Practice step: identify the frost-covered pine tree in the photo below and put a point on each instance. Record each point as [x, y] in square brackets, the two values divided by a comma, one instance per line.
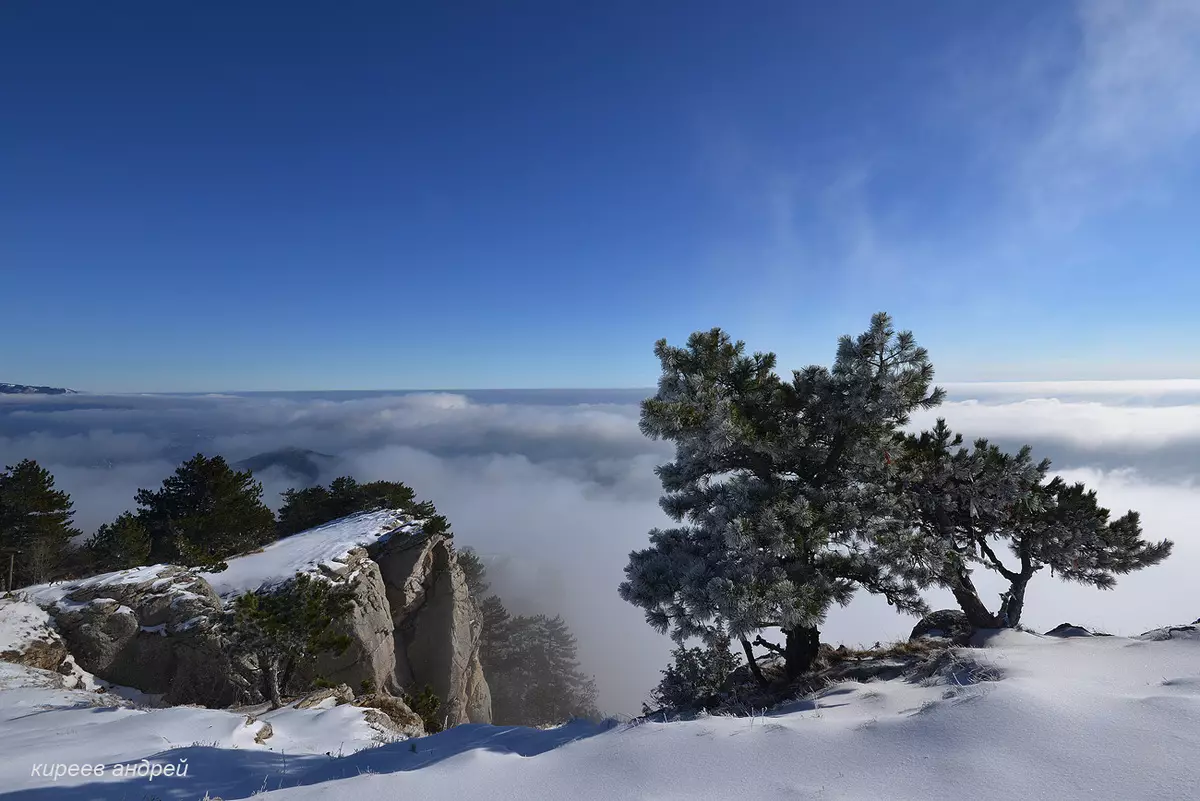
[776, 486]
[966, 507]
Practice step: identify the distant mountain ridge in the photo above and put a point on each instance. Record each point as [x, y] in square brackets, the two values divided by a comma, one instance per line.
[300, 463]
[26, 389]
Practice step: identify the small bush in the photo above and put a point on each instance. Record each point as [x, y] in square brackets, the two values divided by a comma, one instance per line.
[695, 679]
[427, 706]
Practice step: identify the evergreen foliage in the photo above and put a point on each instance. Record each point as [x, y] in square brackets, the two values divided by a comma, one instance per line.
[282, 629]
[533, 671]
[695, 678]
[205, 512]
[315, 506]
[428, 707]
[121, 544]
[532, 666]
[965, 507]
[35, 526]
[793, 494]
[776, 484]
[474, 571]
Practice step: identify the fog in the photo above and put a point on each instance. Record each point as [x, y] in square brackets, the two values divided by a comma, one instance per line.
[556, 489]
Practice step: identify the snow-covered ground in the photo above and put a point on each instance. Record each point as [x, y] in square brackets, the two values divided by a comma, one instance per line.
[1070, 718]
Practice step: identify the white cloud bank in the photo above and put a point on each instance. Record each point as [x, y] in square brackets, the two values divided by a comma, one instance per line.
[560, 492]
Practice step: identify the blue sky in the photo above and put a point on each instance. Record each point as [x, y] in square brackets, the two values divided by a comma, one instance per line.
[222, 196]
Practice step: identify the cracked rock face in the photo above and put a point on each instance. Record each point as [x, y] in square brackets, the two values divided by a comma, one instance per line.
[413, 624]
[369, 663]
[437, 625]
[155, 635]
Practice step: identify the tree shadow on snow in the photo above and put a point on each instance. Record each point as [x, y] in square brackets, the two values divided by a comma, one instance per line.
[239, 773]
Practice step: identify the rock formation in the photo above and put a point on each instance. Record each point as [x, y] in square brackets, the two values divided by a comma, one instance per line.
[413, 624]
[437, 625]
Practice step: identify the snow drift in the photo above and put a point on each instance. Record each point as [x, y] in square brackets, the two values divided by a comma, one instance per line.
[1069, 718]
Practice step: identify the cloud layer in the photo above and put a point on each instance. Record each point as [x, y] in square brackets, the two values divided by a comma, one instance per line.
[557, 489]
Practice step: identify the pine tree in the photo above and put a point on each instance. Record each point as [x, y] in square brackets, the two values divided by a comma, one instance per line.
[474, 571]
[205, 512]
[495, 654]
[543, 684]
[35, 525]
[964, 507]
[314, 506]
[282, 629]
[122, 544]
[777, 485]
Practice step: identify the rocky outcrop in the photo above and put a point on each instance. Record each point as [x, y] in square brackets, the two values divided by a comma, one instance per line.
[341, 694]
[437, 624]
[369, 663]
[949, 624]
[391, 715]
[413, 624]
[153, 629]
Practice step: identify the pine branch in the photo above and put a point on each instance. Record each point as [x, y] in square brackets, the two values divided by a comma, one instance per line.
[770, 646]
[995, 560]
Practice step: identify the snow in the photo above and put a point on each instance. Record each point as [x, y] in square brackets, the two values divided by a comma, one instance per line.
[55, 593]
[324, 548]
[1069, 719]
[21, 624]
[308, 552]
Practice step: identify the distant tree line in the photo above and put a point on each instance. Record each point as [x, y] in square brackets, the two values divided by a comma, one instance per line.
[791, 494]
[531, 661]
[202, 514]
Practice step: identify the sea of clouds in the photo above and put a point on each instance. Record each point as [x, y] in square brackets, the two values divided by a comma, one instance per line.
[557, 488]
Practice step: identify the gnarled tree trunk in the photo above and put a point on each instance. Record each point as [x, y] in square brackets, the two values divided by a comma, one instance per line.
[799, 650]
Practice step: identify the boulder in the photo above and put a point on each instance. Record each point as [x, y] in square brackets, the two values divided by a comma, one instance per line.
[391, 714]
[152, 629]
[437, 624]
[1069, 630]
[949, 624]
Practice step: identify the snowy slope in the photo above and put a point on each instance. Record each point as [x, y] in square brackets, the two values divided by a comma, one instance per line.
[21, 624]
[307, 551]
[1070, 718]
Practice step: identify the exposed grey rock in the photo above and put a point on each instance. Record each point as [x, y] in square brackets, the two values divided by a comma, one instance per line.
[340, 694]
[392, 715]
[369, 663]
[413, 624]
[437, 624]
[155, 634]
[265, 732]
[949, 624]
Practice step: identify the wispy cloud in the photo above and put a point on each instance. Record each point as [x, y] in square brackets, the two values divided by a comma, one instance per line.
[1127, 114]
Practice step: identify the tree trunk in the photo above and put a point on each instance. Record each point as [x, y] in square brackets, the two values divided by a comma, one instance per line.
[752, 663]
[270, 673]
[968, 599]
[799, 650]
[1013, 603]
